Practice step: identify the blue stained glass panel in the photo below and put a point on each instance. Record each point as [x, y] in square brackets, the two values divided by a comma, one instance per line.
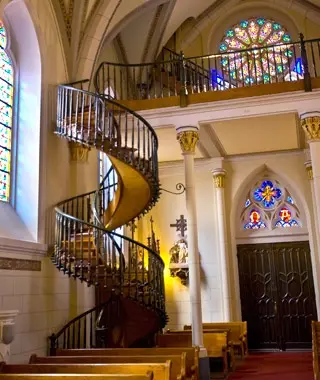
[248, 203]
[290, 200]
[267, 194]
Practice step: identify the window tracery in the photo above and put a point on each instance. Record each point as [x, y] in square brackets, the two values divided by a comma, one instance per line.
[6, 107]
[265, 52]
[269, 205]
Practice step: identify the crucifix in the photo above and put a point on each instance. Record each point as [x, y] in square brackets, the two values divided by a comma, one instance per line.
[181, 225]
[133, 228]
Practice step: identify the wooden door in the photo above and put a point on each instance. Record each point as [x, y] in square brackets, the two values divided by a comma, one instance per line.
[277, 294]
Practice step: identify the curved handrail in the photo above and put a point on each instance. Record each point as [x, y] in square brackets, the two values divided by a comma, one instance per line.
[104, 97]
[84, 248]
[80, 316]
[127, 238]
[182, 75]
[64, 332]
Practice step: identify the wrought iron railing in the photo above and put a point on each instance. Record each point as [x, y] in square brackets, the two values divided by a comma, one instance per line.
[80, 332]
[177, 75]
[95, 120]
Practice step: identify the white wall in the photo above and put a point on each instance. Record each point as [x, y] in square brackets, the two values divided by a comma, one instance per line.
[47, 299]
[290, 170]
[167, 210]
[27, 121]
[241, 172]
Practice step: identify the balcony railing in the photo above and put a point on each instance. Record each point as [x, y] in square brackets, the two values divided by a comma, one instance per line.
[177, 75]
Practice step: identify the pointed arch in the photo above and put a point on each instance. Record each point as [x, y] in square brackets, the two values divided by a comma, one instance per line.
[269, 204]
[238, 197]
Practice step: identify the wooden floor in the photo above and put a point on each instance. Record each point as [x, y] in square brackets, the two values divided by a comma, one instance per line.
[274, 366]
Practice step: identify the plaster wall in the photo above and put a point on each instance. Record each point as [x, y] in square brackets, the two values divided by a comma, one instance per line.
[45, 299]
[242, 172]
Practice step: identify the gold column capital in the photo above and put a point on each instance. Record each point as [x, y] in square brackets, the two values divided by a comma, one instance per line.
[308, 166]
[219, 176]
[310, 123]
[78, 152]
[188, 138]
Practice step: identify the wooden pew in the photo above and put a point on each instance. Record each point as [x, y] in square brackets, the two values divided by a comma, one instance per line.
[96, 364]
[54, 376]
[216, 345]
[227, 331]
[177, 369]
[192, 354]
[315, 329]
[238, 333]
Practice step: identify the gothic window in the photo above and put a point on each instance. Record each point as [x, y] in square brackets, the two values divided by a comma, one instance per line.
[269, 205]
[6, 102]
[256, 62]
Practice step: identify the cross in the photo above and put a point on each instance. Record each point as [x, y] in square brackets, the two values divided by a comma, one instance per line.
[133, 227]
[181, 225]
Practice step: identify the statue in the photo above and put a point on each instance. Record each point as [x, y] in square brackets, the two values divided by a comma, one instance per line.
[179, 252]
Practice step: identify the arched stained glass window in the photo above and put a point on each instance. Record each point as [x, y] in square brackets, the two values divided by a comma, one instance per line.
[6, 102]
[256, 62]
[269, 205]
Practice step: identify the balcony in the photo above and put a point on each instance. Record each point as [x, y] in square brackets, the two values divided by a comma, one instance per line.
[175, 80]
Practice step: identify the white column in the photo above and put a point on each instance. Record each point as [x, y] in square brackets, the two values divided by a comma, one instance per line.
[188, 138]
[310, 122]
[219, 181]
[316, 236]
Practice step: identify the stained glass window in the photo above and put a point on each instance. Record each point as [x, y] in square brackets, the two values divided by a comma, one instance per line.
[269, 205]
[255, 221]
[267, 194]
[6, 101]
[285, 219]
[256, 62]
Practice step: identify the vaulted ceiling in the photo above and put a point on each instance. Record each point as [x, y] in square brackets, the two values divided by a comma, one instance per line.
[141, 27]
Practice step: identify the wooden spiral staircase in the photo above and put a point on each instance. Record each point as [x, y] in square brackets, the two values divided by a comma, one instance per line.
[128, 273]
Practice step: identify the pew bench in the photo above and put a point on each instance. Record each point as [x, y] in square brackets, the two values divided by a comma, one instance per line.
[177, 369]
[55, 376]
[238, 333]
[216, 345]
[315, 329]
[96, 364]
[192, 355]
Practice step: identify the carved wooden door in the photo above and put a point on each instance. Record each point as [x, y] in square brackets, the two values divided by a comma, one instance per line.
[277, 294]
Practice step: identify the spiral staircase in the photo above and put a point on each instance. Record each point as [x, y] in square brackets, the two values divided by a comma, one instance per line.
[128, 273]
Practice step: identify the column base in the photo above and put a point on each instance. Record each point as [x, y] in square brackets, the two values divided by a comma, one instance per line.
[204, 367]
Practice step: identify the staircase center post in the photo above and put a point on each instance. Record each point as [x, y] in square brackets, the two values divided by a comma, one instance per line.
[188, 138]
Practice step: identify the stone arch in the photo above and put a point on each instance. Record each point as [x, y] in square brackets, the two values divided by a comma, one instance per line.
[234, 212]
[220, 15]
[102, 30]
[34, 37]
[270, 231]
